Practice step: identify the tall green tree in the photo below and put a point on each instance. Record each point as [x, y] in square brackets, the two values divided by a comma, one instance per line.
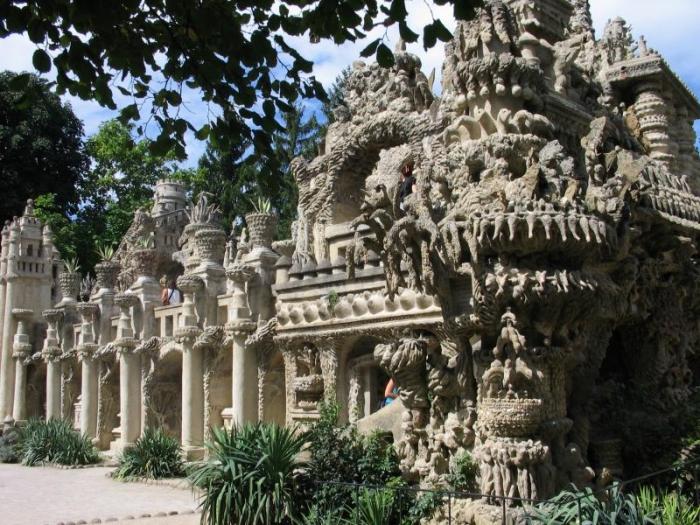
[238, 177]
[235, 51]
[121, 179]
[41, 146]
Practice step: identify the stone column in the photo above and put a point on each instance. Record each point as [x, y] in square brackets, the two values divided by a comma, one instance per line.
[7, 372]
[22, 349]
[52, 355]
[192, 370]
[129, 372]
[244, 401]
[86, 353]
[3, 273]
[653, 120]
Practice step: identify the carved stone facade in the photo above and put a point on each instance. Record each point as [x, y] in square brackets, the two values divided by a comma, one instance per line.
[536, 290]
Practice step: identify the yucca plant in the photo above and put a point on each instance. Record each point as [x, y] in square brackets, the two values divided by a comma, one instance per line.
[104, 251]
[262, 205]
[55, 441]
[155, 455]
[248, 478]
[575, 507]
[374, 507]
[71, 265]
[145, 242]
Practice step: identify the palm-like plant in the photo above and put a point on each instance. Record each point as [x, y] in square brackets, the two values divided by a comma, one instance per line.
[249, 476]
[155, 455]
[104, 251]
[145, 242]
[262, 205]
[71, 266]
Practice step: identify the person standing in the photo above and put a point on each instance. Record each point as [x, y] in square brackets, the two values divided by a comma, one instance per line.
[407, 184]
[171, 295]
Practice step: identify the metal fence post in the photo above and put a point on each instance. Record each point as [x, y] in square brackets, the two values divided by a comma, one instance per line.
[503, 511]
[357, 503]
[449, 508]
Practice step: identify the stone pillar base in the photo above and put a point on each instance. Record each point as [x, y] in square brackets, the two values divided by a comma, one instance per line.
[193, 453]
[227, 417]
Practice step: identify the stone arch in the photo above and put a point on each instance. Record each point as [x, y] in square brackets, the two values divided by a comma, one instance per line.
[364, 379]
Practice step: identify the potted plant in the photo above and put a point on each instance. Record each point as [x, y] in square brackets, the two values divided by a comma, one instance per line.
[261, 223]
[69, 278]
[107, 270]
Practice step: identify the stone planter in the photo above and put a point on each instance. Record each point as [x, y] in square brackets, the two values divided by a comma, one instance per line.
[511, 417]
[145, 261]
[69, 283]
[190, 250]
[261, 228]
[106, 274]
[210, 244]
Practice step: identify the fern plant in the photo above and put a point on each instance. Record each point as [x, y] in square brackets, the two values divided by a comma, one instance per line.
[155, 455]
[105, 252]
[71, 265]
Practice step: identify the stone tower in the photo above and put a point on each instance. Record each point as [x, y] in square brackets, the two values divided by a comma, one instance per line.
[27, 267]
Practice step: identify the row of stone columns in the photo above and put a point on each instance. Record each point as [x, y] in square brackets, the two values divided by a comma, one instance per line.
[201, 289]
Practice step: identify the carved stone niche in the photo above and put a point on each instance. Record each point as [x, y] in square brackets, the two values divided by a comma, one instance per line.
[308, 384]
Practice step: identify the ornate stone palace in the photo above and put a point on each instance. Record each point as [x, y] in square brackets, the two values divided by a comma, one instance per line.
[543, 273]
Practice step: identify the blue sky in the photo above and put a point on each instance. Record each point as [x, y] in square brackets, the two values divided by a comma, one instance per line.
[669, 27]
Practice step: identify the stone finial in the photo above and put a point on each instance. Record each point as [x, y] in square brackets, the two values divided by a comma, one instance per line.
[29, 208]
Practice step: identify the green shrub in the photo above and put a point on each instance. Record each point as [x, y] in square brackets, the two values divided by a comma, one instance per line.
[338, 454]
[463, 473]
[55, 441]
[155, 455]
[373, 507]
[616, 508]
[10, 446]
[249, 477]
[669, 509]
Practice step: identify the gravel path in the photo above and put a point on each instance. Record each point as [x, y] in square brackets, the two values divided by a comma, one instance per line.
[46, 495]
